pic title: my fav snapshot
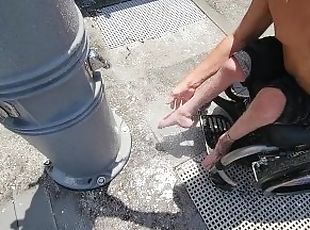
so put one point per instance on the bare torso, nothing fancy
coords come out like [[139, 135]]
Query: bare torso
[[291, 19]]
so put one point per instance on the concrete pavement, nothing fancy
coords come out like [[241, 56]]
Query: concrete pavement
[[147, 194]]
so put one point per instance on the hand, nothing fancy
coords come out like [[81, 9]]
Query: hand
[[180, 95]]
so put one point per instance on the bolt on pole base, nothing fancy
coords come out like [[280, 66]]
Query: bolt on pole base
[[107, 174]]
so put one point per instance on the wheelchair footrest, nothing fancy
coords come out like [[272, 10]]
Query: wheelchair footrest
[[213, 127], [219, 182]]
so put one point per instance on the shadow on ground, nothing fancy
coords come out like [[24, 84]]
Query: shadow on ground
[[91, 7], [96, 4], [55, 207], [188, 143]]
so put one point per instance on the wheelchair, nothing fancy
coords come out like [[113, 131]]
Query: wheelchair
[[278, 155]]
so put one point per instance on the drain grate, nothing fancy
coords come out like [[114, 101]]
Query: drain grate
[[244, 208], [138, 20]]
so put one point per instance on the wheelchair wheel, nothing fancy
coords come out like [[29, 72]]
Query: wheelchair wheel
[[288, 174]]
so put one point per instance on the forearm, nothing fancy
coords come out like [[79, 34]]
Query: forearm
[[213, 62], [254, 23]]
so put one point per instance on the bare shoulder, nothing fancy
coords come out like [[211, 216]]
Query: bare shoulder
[[290, 9], [290, 17], [255, 22]]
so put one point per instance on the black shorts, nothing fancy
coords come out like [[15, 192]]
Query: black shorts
[[262, 62]]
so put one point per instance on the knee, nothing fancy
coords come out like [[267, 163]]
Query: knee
[[232, 69], [269, 104]]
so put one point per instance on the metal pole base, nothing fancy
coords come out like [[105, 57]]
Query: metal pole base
[[107, 174]]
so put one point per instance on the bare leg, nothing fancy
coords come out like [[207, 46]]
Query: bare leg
[[226, 76], [265, 109]]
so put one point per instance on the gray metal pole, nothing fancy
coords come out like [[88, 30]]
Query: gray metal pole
[[48, 97]]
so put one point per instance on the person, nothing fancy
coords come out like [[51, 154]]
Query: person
[[276, 71]]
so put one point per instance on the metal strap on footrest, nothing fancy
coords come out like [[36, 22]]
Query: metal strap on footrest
[[221, 180], [213, 127], [244, 152]]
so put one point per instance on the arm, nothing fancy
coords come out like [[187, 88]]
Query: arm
[[254, 23]]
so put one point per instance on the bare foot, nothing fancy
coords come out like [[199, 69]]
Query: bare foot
[[177, 117], [222, 147]]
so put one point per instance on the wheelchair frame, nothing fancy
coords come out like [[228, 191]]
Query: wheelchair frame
[[276, 170]]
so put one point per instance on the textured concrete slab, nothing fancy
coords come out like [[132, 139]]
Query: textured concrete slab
[[232, 10], [65, 208], [33, 210], [227, 14], [147, 193], [20, 164], [8, 219], [141, 77], [216, 17], [45, 206]]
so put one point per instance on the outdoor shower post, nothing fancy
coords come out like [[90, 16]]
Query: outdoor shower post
[[49, 96]]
